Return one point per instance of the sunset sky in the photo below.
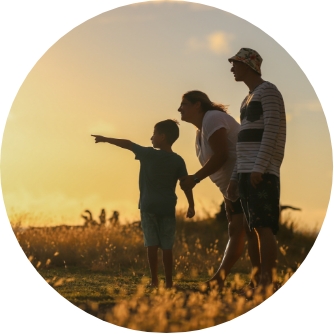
(118, 74)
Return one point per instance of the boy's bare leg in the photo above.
(233, 250)
(167, 258)
(254, 254)
(268, 251)
(152, 255)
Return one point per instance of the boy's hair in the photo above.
(170, 129)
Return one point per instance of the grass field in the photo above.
(103, 270)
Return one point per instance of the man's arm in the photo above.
(219, 145)
(123, 143)
(271, 104)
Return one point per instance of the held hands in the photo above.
(99, 139)
(187, 182)
(190, 212)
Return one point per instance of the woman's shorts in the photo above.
(260, 204)
(158, 230)
(237, 207)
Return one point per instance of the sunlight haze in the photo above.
(117, 75)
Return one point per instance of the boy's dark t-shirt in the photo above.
(159, 172)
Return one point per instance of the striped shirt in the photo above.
(261, 140)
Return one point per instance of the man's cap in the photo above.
(250, 57)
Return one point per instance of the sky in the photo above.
(30, 29)
(117, 75)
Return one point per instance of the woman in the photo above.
(216, 139)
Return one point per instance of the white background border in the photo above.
(29, 28)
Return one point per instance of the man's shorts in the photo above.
(261, 204)
(158, 230)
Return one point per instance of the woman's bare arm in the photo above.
(219, 145)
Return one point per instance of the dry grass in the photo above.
(118, 250)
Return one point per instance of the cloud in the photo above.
(102, 128)
(216, 42)
(297, 109)
(196, 7)
(300, 108)
(219, 42)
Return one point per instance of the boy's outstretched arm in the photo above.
(123, 143)
(191, 205)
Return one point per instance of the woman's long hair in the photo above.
(197, 96)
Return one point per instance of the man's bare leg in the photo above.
(233, 250)
(254, 254)
(167, 258)
(268, 251)
(152, 255)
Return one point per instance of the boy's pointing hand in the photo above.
(99, 139)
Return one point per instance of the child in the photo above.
(160, 168)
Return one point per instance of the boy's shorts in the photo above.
(261, 204)
(158, 230)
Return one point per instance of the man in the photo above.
(260, 151)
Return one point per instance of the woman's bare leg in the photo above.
(233, 250)
(254, 254)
